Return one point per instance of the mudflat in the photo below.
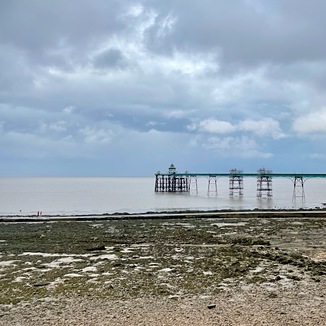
(246, 269)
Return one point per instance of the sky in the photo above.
(125, 88)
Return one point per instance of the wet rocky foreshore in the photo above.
(172, 260)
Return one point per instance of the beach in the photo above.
(302, 305)
(169, 270)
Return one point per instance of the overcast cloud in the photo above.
(120, 87)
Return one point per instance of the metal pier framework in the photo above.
(298, 189)
(264, 183)
(170, 182)
(235, 183)
(173, 181)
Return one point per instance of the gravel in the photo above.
(302, 304)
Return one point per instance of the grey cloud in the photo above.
(280, 32)
(48, 31)
(266, 127)
(39, 24)
(112, 58)
(311, 123)
(236, 147)
(16, 75)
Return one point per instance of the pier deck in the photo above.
(273, 175)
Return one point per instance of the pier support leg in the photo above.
(264, 184)
(235, 183)
(212, 186)
(193, 184)
(298, 190)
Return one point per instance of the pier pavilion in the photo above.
(173, 181)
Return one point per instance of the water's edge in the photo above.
(273, 213)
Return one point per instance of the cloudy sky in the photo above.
(123, 87)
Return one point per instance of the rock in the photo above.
(211, 306)
(272, 295)
(40, 284)
(96, 248)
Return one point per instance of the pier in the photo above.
(173, 181)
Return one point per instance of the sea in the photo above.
(49, 196)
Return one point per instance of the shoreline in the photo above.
(253, 213)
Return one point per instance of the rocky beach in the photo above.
(255, 268)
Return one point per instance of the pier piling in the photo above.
(264, 183)
(235, 183)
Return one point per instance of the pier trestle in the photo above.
(212, 186)
(193, 184)
(264, 184)
(235, 183)
(298, 189)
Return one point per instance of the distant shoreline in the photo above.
(255, 213)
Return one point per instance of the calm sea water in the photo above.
(52, 196)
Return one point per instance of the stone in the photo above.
(41, 284)
(211, 306)
(96, 248)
